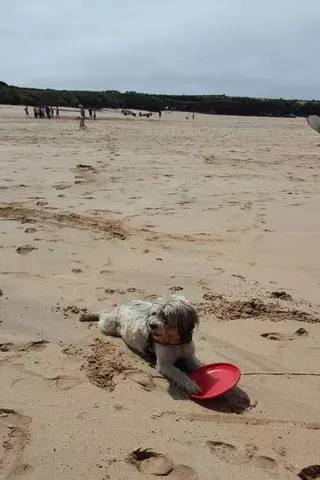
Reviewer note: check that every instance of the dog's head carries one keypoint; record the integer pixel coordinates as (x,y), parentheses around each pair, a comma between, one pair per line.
(172,320)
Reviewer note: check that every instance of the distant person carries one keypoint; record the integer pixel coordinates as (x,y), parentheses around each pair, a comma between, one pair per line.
(57,112)
(26,109)
(42,112)
(48,112)
(193,116)
(160,114)
(94,114)
(35,112)
(82,111)
(82,124)
(51,111)
(90,113)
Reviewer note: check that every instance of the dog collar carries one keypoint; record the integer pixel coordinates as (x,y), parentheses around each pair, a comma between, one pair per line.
(170,344)
(151,341)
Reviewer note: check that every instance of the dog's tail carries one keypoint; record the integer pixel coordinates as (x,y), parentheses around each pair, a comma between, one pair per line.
(89,317)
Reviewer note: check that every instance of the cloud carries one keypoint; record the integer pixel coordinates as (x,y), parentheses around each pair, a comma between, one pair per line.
(264,48)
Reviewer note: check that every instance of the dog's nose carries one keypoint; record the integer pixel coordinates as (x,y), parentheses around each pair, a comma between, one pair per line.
(152,326)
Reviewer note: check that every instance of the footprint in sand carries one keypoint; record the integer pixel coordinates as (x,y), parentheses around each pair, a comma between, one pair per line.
(112,291)
(301,332)
(231,454)
(14,433)
(267,463)
(310,473)
(183,472)
(35,345)
(86,167)
(25,249)
(281,294)
(176,288)
(69,310)
(143,379)
(41,203)
(62,186)
(71,350)
(64,383)
(5,347)
(225,451)
(150,462)
(153,463)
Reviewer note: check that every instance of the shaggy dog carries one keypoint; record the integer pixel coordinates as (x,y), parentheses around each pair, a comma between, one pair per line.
(163,328)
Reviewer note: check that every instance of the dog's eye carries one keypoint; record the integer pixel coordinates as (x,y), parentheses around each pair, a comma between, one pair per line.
(153,314)
(162,317)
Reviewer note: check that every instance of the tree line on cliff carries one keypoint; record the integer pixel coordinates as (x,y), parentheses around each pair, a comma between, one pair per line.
(214,104)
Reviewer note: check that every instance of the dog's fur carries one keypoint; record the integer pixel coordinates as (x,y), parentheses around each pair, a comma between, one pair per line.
(168,322)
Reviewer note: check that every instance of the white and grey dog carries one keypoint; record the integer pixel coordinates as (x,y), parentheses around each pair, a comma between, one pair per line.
(164,328)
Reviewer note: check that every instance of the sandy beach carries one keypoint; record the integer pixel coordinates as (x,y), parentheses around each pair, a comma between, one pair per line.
(221,209)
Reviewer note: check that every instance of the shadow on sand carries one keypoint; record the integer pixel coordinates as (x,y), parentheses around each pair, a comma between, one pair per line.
(234,401)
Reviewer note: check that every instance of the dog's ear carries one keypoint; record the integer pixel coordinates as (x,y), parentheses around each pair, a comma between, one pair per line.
(187,319)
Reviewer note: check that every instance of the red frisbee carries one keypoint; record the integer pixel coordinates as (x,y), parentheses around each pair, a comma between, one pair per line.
(215,379)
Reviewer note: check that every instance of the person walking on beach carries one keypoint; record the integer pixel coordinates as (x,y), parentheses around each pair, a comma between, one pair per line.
(82,125)
(26,109)
(94,114)
(57,112)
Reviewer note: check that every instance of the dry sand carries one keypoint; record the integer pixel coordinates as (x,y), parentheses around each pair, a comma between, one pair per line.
(132,208)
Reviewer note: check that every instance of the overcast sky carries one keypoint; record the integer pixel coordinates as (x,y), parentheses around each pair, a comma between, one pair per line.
(266,48)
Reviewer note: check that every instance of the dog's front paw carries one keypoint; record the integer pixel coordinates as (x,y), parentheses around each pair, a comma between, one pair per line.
(192,388)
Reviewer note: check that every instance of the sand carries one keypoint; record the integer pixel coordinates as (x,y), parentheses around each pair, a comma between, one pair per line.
(223,209)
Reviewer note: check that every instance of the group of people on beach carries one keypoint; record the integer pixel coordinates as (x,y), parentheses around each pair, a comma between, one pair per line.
(42,112)
(50,112)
